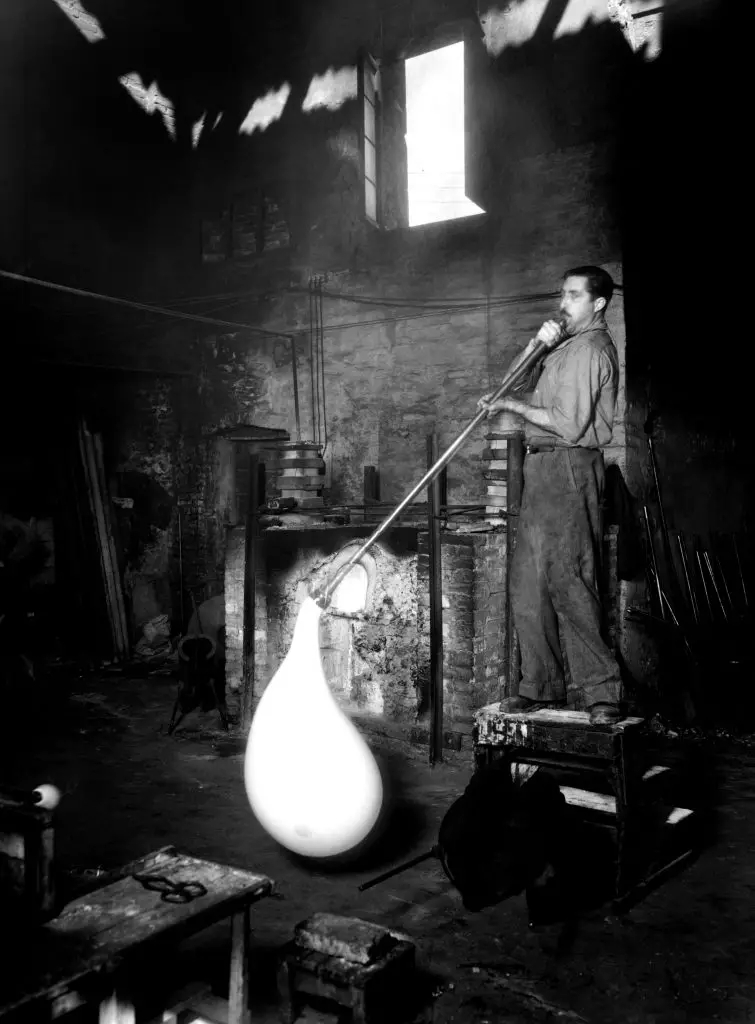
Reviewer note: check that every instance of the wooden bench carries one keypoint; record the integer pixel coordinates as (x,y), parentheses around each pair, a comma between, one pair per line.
(634,809)
(102,945)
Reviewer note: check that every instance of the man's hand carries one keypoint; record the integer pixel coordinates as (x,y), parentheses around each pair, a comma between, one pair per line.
(504,404)
(551,333)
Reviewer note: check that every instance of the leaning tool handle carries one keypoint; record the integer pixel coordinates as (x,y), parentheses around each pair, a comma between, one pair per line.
(512,377)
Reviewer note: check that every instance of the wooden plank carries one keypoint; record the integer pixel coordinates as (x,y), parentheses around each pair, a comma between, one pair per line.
(120,919)
(678,814)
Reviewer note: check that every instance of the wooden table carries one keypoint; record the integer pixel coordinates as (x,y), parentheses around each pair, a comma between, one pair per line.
(94,950)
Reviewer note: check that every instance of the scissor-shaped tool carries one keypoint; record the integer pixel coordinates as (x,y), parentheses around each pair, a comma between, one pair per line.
(171,892)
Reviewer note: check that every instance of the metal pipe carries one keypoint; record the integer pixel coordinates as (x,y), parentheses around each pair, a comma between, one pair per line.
(688,579)
(398,870)
(717,592)
(654,561)
(436,608)
(511,378)
(661,513)
(721,574)
(296,388)
(741,574)
(705,585)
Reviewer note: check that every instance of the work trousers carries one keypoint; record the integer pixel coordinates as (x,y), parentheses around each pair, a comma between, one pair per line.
(555,597)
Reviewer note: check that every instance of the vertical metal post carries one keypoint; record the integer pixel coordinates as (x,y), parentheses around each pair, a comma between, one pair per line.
(436,608)
(514,487)
(250,592)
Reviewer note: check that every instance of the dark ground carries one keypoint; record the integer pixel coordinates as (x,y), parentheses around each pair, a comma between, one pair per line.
(687,953)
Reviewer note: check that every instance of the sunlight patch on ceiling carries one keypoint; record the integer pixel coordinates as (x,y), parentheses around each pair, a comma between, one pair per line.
(85,22)
(265,110)
(196,130)
(150,99)
(435,137)
(515,23)
(332,89)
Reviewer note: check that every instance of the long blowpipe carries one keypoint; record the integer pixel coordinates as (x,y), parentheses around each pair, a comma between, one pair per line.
(512,377)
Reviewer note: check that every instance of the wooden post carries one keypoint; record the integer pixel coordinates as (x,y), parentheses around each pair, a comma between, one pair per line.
(514,487)
(436,608)
(250,593)
(238,987)
(371,484)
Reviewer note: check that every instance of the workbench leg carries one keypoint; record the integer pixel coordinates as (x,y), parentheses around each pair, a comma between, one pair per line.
(116,1010)
(238,988)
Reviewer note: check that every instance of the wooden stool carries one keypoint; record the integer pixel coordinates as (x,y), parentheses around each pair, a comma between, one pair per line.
(371,976)
(564,740)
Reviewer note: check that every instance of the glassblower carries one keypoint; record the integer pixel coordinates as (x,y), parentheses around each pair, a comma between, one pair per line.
(314,785)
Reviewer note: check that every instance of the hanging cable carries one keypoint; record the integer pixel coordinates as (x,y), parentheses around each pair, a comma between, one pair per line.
(142,306)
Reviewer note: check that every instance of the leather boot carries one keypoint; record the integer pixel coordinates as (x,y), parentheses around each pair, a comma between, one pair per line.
(605,714)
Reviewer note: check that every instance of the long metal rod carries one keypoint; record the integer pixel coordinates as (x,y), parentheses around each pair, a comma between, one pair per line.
(436,608)
(654,561)
(741,574)
(511,378)
(661,512)
(701,571)
(688,578)
(397,870)
(716,591)
(295,374)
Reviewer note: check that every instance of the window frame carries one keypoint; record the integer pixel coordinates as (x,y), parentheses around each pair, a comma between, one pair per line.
(369,66)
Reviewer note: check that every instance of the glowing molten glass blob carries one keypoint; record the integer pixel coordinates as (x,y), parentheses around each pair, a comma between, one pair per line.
(310,777)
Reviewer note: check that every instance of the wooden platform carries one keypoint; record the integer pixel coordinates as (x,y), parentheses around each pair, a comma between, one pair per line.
(612,757)
(101,945)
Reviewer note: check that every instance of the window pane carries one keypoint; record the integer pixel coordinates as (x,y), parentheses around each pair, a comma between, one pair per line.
(369,121)
(370,200)
(369,161)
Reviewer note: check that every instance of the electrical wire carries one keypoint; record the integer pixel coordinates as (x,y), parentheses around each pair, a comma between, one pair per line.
(142,306)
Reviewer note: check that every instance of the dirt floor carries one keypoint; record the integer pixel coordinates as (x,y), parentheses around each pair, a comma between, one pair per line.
(686,953)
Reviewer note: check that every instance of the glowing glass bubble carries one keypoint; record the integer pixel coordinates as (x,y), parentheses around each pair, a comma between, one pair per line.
(311,779)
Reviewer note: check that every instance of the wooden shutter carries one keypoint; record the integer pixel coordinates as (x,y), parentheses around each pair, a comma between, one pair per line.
(479,119)
(392,161)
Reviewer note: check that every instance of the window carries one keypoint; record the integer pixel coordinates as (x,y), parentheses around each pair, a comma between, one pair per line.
(436,136)
(370,96)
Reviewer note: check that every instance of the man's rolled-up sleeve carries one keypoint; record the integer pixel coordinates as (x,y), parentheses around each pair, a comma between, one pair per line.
(572,408)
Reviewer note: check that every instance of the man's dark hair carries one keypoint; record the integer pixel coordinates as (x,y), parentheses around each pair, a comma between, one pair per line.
(599,283)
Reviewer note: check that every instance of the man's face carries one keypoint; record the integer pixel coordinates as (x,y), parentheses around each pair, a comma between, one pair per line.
(578,307)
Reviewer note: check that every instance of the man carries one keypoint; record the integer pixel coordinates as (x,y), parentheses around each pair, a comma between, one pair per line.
(554,576)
